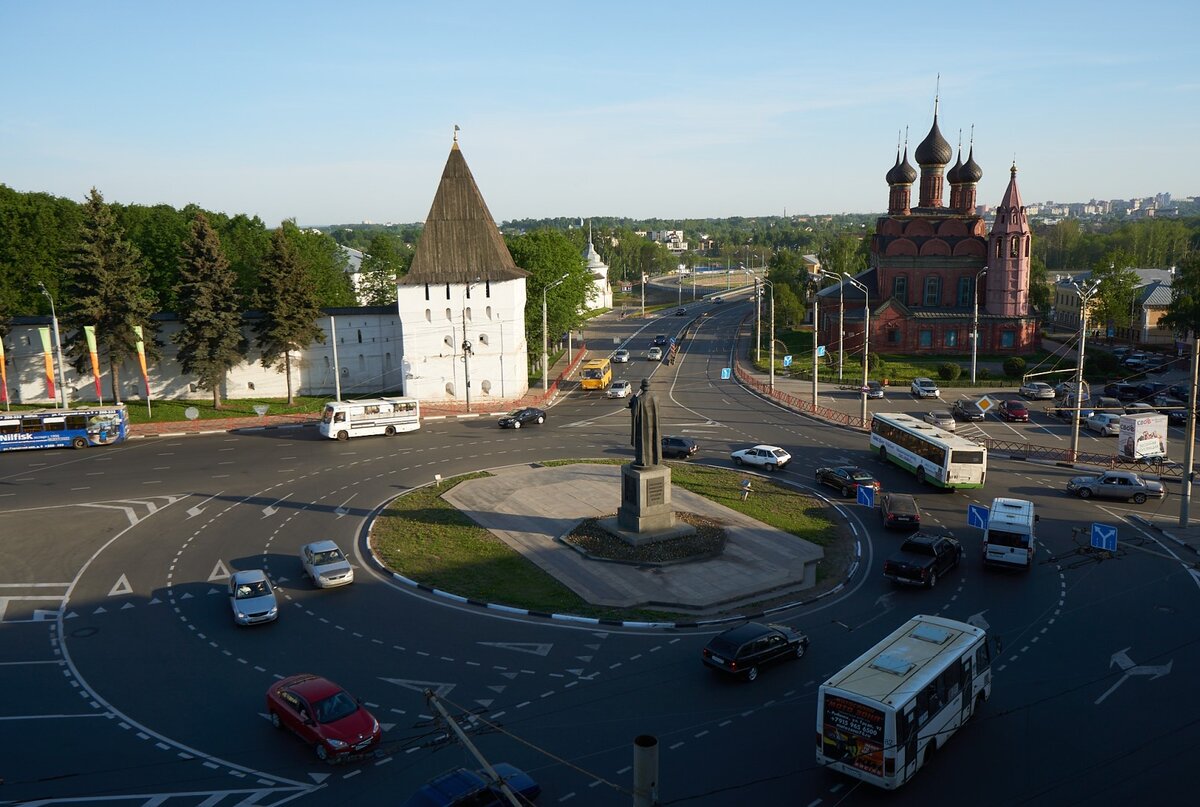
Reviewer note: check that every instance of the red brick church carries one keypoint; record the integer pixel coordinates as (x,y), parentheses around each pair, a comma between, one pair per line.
(926,262)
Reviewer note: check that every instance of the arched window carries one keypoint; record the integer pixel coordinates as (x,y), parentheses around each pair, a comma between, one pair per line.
(362,363)
(467,313)
(900,288)
(483,340)
(1027,240)
(360,336)
(933,291)
(998,248)
(1014,247)
(428,315)
(426,291)
(487,288)
(488,311)
(449,315)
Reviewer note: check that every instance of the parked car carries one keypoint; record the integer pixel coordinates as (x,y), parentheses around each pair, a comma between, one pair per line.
(899,511)
(1121,391)
(1067,388)
(1106,404)
(1105,424)
(323,715)
(660,340)
(922,559)
(325,565)
(847,479)
(1037,390)
(773,458)
(620,356)
(463,787)
(966,410)
(925,388)
(619,389)
(1065,413)
(1125,485)
(681,312)
(679,447)
(874,389)
(1014,410)
(252,598)
(942,419)
(1166,404)
(1179,391)
(746,648)
(522,417)
(654,354)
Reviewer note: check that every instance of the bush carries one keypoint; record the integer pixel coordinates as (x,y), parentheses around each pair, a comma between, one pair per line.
(949,371)
(1014,367)
(983,374)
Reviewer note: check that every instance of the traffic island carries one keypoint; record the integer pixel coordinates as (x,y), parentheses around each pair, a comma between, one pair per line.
(596,541)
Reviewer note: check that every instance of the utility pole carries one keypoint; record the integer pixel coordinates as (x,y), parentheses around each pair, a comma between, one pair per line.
(1085,297)
(975,321)
(433,701)
(757,324)
(1185,494)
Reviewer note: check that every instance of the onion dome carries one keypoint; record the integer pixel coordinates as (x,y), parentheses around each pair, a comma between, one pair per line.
(971,172)
(902,173)
(954,175)
(934,150)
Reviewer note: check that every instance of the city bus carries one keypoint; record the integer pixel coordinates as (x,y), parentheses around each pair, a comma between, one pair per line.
(342,420)
(596,374)
(885,715)
(60,428)
(935,455)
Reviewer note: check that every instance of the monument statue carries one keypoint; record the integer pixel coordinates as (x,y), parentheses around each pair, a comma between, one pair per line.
(644,433)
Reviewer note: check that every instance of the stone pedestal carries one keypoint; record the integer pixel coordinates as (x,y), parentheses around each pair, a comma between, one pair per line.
(646,514)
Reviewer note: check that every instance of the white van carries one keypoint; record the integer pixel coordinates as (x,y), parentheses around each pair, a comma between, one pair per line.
(1009,537)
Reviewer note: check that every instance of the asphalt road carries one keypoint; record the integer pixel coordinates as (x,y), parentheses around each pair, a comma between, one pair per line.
(127,683)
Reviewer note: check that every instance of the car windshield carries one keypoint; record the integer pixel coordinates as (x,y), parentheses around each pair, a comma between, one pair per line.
(589,372)
(328,556)
(335,707)
(258,588)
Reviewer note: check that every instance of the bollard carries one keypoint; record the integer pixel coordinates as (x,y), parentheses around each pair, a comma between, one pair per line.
(745,489)
(645,770)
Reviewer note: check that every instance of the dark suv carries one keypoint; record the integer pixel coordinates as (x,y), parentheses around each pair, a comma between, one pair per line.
(742,650)
(680,447)
(1121,391)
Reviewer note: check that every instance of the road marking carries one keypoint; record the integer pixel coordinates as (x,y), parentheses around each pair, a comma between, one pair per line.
(219,572)
(121,587)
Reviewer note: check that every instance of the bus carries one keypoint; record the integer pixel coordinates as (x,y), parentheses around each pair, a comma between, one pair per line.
(885,715)
(342,420)
(596,374)
(60,428)
(935,455)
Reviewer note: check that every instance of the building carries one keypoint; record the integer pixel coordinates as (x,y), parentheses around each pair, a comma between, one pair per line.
(1149,307)
(600,293)
(672,239)
(935,268)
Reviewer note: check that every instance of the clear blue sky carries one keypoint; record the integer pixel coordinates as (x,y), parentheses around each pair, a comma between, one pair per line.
(343,112)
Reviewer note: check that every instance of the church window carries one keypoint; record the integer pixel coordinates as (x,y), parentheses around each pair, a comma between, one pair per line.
(1008,338)
(951,338)
(428,313)
(925,338)
(1014,249)
(999,247)
(893,336)
(964,291)
(449,315)
(933,291)
(900,288)
(1027,240)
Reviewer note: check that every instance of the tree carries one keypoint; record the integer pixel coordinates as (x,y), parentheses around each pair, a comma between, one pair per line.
(106,287)
(210,340)
(548,255)
(287,300)
(385,261)
(1183,314)
(1116,291)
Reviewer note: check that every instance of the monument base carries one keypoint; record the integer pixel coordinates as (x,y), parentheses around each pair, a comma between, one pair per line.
(646,514)
(677,530)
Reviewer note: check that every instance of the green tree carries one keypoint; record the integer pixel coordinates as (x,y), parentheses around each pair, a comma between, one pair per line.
(1116,291)
(385,261)
(324,262)
(548,255)
(106,287)
(843,254)
(287,300)
(210,340)
(1040,292)
(1184,312)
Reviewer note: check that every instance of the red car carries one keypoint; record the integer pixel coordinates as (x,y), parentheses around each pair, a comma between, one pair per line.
(323,715)
(1014,410)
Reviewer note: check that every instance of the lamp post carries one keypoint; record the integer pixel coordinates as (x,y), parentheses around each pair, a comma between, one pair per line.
(841,316)
(816,334)
(546,346)
(771,287)
(62,379)
(1085,296)
(644,276)
(757,323)
(866,339)
(975,321)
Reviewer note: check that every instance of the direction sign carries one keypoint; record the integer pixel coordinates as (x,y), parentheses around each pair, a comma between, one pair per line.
(726,373)
(787,360)
(1104,536)
(977,516)
(866,495)
(820,351)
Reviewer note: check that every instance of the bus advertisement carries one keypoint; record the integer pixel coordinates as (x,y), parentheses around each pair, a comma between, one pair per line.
(63,428)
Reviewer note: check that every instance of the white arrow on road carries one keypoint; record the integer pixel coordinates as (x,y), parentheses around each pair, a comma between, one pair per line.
(1122,660)
(535,648)
(272,509)
(197,509)
(341,508)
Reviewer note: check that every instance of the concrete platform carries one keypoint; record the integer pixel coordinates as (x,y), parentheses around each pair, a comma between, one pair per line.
(530,507)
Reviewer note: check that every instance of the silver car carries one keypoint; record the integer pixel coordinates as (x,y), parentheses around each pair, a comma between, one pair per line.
(943,420)
(925,388)
(618,389)
(325,565)
(1037,390)
(620,356)
(1105,424)
(252,598)
(1116,485)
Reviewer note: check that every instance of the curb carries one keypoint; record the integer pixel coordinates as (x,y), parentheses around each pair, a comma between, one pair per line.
(1145,522)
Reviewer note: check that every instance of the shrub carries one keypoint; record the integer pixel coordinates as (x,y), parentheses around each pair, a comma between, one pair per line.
(983,374)
(1014,367)
(949,371)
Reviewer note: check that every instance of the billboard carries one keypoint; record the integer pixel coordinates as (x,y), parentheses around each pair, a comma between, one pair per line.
(1143,437)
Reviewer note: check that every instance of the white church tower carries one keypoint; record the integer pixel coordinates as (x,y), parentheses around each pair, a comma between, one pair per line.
(462,303)
(600,292)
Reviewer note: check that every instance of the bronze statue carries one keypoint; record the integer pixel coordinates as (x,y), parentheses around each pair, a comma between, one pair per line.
(643,432)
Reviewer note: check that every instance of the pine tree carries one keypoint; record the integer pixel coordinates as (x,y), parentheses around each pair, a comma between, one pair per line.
(288,303)
(106,287)
(210,340)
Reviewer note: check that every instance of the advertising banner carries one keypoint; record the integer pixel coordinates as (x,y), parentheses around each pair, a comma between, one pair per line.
(853,734)
(141,351)
(89,331)
(3,375)
(48,357)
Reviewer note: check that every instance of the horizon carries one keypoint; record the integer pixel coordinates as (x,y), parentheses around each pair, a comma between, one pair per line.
(272,110)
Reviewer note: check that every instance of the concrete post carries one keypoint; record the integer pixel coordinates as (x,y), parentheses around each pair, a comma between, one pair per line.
(645,771)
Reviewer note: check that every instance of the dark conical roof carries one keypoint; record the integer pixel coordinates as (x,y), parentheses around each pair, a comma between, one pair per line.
(901,173)
(934,150)
(954,174)
(971,172)
(460,242)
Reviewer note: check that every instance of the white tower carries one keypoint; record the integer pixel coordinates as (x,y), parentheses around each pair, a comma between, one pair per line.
(600,293)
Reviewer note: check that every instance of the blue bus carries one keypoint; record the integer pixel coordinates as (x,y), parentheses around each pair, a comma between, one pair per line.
(62,428)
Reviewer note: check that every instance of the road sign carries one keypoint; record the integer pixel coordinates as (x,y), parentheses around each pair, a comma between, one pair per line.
(1104,536)
(977,516)
(985,404)
(787,360)
(1111,332)
(866,495)
(726,373)
(820,351)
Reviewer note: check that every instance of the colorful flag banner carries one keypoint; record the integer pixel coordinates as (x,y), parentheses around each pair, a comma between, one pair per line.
(3,375)
(48,355)
(89,331)
(141,351)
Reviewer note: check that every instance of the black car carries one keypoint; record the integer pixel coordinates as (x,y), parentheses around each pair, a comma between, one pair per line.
(1148,389)
(1121,391)
(660,340)
(742,650)
(522,417)
(1179,392)
(900,511)
(966,410)
(847,479)
(681,312)
(679,447)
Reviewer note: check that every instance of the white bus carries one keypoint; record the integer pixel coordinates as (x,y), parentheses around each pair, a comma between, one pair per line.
(342,420)
(886,714)
(935,455)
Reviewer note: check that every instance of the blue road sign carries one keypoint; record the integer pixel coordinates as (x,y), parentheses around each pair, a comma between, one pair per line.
(977,516)
(1111,332)
(726,373)
(787,360)
(866,495)
(1104,536)
(820,351)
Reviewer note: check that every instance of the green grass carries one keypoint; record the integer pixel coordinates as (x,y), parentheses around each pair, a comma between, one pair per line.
(426,539)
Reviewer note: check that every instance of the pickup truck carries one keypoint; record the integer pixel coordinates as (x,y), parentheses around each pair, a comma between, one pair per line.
(922,559)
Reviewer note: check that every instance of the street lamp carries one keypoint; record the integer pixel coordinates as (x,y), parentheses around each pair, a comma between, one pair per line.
(1085,296)
(62,380)
(866,338)
(546,346)
(770,285)
(975,321)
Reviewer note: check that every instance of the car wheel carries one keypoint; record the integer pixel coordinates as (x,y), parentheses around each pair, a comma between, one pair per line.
(752,674)
(343,435)
(883,455)
(920,476)
(541,419)
(275,721)
(322,752)
(845,491)
(800,650)
(79,442)
(1085,493)
(1139,498)
(390,431)
(932,579)
(738,461)
(517,425)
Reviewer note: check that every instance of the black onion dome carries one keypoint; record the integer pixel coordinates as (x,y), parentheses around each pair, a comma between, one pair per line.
(934,150)
(971,172)
(954,174)
(902,173)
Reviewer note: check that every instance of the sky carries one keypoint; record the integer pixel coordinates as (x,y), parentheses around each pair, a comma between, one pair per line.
(338,113)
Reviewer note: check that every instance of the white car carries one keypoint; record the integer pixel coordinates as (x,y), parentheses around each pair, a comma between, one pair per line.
(773,458)
(325,565)
(619,389)
(1037,390)
(252,598)
(654,354)
(620,357)
(1105,424)
(925,388)
(943,420)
